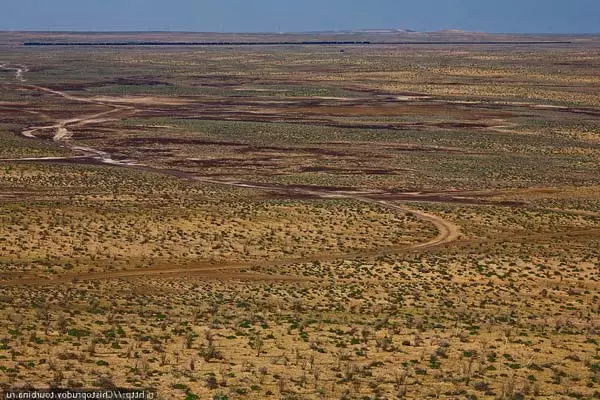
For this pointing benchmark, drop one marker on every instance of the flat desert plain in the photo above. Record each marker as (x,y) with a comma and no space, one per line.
(301,221)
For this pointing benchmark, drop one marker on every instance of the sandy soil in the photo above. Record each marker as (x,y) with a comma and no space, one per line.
(448,232)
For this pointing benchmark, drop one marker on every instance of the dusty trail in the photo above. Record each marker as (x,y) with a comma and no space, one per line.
(447,231)
(62,134)
(120,107)
(236,271)
(227,272)
(19,71)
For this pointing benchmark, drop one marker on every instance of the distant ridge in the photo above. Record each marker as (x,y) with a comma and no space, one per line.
(381,31)
(456,31)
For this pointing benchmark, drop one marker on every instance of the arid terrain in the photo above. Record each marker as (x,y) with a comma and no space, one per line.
(344,221)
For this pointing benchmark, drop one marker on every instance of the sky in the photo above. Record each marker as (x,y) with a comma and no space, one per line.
(498,16)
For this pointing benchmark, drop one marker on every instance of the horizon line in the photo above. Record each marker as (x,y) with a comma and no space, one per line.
(358,30)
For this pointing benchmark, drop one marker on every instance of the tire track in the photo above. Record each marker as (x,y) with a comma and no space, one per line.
(447,231)
(19,71)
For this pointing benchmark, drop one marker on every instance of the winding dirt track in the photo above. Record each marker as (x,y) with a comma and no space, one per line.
(64,136)
(447,231)
(19,71)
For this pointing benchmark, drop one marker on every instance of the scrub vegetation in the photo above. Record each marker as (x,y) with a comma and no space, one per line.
(301,222)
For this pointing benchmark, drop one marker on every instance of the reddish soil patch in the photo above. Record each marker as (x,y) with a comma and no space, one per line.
(401,109)
(166,141)
(310,150)
(227,162)
(353,171)
(129,81)
(441,198)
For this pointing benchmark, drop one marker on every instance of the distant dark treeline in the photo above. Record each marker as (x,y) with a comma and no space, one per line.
(324,42)
(191,43)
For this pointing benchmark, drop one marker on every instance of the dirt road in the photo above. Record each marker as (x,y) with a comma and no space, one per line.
(447,231)
(19,71)
(64,136)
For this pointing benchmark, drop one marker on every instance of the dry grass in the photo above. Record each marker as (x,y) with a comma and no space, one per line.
(261,247)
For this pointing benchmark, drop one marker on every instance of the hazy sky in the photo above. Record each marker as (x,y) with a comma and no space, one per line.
(554,16)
